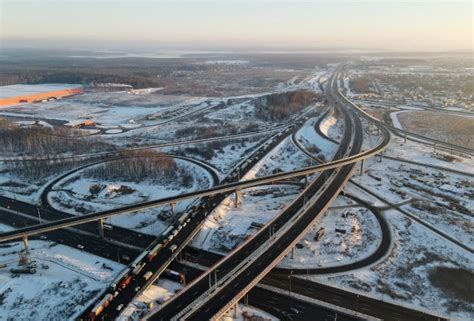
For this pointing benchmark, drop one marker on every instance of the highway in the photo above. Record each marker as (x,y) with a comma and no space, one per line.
(116,237)
(391,205)
(196,215)
(226,282)
(223,188)
(118,152)
(353,156)
(280,302)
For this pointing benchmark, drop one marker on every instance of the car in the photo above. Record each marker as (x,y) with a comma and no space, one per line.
(120,306)
(294,310)
(80,246)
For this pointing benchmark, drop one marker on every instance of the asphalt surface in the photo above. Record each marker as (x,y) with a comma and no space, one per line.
(281,305)
(198,214)
(239,281)
(377,308)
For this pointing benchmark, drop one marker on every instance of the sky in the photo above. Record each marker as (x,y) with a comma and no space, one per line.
(408,25)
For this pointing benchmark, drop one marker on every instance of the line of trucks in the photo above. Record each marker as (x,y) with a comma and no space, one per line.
(124,279)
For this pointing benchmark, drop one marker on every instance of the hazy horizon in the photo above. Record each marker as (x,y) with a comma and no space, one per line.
(296,25)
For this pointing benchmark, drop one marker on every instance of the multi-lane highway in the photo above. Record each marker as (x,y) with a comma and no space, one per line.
(165,249)
(255,258)
(225,283)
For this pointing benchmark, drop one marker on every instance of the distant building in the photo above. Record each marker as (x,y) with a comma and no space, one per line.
(18,94)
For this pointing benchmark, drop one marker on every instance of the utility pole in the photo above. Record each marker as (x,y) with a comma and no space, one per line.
(39,215)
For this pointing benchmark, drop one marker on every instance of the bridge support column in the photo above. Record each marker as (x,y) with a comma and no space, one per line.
(292,252)
(434,148)
(381,157)
(361,167)
(405,136)
(235,311)
(173,207)
(101,228)
(26,244)
(306,180)
(246,299)
(238,198)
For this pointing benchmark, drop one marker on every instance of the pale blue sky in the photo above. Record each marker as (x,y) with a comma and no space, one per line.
(382,24)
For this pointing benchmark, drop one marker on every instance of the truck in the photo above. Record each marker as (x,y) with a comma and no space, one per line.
(175,276)
(147,275)
(154,251)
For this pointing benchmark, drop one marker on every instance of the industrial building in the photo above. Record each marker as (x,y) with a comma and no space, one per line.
(18,94)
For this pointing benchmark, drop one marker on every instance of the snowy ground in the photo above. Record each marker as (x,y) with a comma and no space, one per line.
(228,226)
(29,190)
(283,158)
(225,156)
(163,290)
(362,237)
(443,199)
(314,143)
(66,281)
(73,194)
(423,271)
(158,293)
(109,109)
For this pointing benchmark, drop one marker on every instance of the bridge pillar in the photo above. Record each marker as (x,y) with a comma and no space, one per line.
(101,228)
(434,148)
(381,156)
(361,167)
(306,180)
(405,136)
(246,299)
(292,252)
(173,207)
(26,244)
(235,311)
(238,198)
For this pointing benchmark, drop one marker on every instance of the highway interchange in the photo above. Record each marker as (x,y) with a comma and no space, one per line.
(229,279)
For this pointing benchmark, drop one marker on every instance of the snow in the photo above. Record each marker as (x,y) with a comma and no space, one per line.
(106,108)
(362,238)
(227,62)
(72,194)
(284,157)
(247,312)
(403,278)
(155,295)
(227,226)
(75,189)
(313,142)
(23,90)
(395,120)
(67,280)
(113,131)
(422,153)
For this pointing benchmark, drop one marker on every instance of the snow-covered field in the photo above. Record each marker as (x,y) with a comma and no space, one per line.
(107,109)
(229,225)
(361,237)
(163,290)
(283,158)
(423,271)
(78,195)
(314,143)
(66,281)
(81,193)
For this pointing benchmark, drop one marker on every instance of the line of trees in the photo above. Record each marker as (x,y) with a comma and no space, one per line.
(141,165)
(281,106)
(44,141)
